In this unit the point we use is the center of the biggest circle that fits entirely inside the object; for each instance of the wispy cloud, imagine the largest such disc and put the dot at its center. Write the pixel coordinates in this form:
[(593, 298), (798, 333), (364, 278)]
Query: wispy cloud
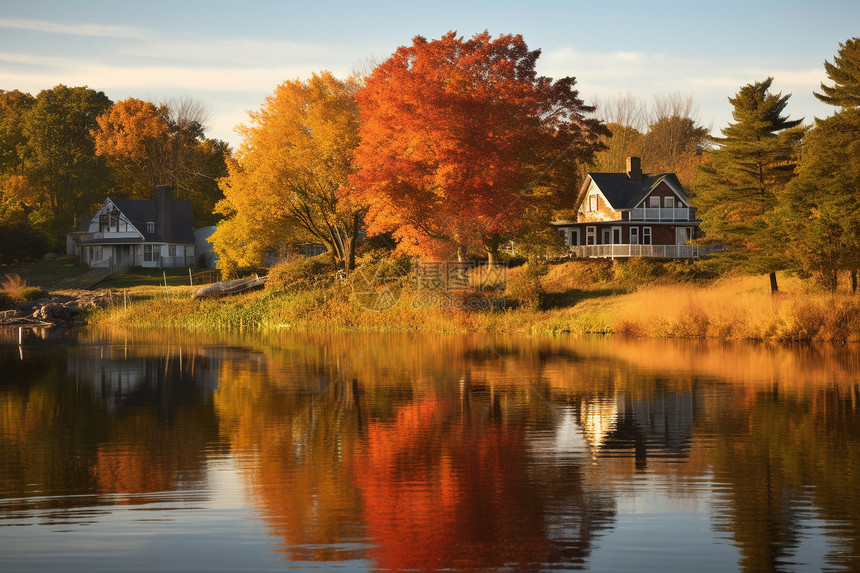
[(614, 71), (261, 80), (75, 29), (710, 81)]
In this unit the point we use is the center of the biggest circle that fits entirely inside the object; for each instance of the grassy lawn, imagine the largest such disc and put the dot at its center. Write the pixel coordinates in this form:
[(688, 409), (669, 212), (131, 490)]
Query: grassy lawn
[(70, 273), (47, 274), (138, 276)]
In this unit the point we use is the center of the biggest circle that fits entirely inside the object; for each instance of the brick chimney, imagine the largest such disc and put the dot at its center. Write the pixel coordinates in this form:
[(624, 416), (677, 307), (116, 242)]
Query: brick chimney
[(163, 202), (634, 169)]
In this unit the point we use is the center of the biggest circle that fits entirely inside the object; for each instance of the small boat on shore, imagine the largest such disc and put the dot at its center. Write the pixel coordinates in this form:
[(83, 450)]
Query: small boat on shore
[(224, 288)]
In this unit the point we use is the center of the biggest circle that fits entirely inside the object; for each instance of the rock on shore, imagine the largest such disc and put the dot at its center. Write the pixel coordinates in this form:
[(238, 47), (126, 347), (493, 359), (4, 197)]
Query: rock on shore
[(58, 309)]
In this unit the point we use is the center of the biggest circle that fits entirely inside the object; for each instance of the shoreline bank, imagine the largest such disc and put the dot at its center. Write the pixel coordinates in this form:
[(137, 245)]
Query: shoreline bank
[(724, 311)]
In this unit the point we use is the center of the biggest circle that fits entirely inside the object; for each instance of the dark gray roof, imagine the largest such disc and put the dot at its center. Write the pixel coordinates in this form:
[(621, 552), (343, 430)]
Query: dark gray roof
[(625, 193), (142, 211)]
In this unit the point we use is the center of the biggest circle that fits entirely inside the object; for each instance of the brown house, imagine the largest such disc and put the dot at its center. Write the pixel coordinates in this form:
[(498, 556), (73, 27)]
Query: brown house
[(631, 215)]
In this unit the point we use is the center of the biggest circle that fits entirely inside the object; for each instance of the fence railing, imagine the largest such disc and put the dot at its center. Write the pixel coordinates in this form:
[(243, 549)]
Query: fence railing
[(662, 214), (622, 251), (206, 277)]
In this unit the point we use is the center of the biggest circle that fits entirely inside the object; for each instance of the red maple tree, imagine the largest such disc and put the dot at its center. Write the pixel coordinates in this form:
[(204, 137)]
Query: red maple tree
[(460, 137)]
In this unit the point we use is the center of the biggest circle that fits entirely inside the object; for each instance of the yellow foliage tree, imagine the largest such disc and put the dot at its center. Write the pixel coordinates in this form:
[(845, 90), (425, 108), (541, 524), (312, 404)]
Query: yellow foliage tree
[(286, 181)]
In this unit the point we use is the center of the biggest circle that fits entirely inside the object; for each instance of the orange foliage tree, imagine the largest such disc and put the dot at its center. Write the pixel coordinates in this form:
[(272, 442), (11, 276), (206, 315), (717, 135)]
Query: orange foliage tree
[(149, 145), (135, 134), (461, 138)]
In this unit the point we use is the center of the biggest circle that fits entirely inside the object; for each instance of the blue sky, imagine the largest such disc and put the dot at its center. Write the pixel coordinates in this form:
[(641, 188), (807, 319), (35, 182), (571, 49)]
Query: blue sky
[(231, 55)]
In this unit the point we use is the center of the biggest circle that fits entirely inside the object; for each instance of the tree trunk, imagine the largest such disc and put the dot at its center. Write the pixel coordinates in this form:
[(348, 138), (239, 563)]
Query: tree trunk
[(773, 286), (492, 242), (353, 244), (854, 281), (461, 253)]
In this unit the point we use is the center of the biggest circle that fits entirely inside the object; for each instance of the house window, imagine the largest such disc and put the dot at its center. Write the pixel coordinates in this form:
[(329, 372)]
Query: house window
[(171, 251), (563, 234), (574, 237), (150, 227), (590, 233), (149, 252), (654, 202), (592, 202), (646, 235), (668, 202), (634, 235), (109, 220)]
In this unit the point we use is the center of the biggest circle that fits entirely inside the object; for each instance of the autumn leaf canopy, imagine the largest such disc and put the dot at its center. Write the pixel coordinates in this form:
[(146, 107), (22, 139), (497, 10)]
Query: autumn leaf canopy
[(458, 136)]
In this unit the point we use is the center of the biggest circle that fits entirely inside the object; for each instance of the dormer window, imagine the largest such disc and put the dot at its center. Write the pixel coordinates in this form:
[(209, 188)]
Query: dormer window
[(150, 227)]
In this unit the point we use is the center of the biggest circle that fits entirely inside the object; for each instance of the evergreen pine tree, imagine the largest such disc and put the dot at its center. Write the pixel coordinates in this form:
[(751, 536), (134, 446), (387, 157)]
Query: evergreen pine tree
[(844, 72), (741, 180), (821, 209)]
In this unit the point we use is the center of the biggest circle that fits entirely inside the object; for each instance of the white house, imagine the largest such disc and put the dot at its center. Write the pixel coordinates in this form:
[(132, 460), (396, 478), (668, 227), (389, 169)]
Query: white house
[(132, 232)]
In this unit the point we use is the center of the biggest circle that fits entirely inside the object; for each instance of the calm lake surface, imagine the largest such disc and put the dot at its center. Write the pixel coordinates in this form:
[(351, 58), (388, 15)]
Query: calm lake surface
[(171, 451)]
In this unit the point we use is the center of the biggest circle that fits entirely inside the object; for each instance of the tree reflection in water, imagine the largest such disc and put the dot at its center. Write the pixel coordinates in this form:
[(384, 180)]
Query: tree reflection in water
[(448, 452)]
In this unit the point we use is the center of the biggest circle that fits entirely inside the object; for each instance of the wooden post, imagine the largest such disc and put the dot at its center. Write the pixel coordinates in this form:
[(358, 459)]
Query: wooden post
[(20, 334), (164, 274), (191, 282)]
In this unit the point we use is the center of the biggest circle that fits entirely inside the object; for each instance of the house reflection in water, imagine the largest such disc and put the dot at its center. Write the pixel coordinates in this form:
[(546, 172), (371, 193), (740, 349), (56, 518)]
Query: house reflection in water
[(658, 426), (117, 379)]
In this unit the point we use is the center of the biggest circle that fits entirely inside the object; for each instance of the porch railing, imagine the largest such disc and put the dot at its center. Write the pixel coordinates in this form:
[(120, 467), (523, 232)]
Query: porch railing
[(662, 214), (624, 251)]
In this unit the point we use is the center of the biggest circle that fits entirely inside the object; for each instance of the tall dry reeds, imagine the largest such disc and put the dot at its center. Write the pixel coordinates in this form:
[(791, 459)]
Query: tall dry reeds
[(731, 310), (14, 289)]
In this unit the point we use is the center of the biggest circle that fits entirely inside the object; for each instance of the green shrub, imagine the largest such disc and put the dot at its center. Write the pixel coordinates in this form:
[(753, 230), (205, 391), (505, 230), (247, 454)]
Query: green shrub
[(389, 264), (525, 289), (588, 272), (636, 272), (300, 273), (31, 293)]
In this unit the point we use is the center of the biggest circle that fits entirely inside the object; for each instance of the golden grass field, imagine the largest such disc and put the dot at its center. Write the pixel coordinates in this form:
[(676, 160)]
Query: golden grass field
[(575, 298)]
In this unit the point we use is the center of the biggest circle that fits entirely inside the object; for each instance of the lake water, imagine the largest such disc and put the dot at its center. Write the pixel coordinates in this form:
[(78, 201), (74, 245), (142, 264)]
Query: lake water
[(170, 451)]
